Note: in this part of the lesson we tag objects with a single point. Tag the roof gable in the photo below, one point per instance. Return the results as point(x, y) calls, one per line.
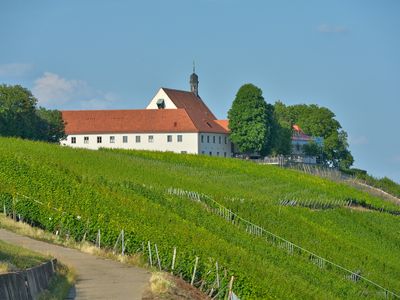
point(200, 114)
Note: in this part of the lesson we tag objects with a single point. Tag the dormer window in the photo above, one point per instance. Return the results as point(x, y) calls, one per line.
point(160, 104)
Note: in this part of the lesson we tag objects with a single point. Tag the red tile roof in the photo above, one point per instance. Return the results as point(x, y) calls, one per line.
point(191, 115)
point(125, 121)
point(224, 124)
point(197, 110)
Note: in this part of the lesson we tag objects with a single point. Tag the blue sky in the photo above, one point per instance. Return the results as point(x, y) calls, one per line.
point(95, 54)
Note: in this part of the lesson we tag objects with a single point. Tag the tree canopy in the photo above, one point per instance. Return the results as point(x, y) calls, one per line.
point(248, 120)
point(20, 117)
point(318, 121)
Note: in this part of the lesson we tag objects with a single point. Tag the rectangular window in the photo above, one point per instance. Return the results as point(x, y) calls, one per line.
point(86, 140)
point(208, 138)
point(210, 153)
point(184, 152)
point(217, 153)
point(224, 154)
point(180, 138)
point(219, 139)
point(73, 140)
point(125, 139)
point(225, 140)
point(99, 140)
point(202, 152)
point(169, 138)
point(137, 139)
point(214, 139)
point(112, 139)
point(202, 138)
point(151, 138)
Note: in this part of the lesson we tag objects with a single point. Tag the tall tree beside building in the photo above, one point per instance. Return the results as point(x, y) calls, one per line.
point(50, 125)
point(20, 117)
point(280, 134)
point(248, 120)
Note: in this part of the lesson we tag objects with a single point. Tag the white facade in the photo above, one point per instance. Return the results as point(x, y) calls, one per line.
point(174, 142)
point(215, 144)
point(161, 95)
point(212, 144)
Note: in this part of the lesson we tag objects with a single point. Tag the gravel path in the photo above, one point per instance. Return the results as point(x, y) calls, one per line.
point(97, 278)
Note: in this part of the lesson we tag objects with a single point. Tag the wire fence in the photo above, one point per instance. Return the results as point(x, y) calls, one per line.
point(337, 175)
point(214, 282)
point(215, 289)
point(278, 241)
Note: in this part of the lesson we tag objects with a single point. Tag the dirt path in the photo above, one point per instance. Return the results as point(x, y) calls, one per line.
point(98, 278)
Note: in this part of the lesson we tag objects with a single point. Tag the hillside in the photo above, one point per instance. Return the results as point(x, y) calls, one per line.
point(78, 191)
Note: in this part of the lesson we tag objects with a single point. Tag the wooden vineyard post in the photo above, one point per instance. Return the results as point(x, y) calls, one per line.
point(150, 259)
point(122, 243)
point(230, 288)
point(98, 239)
point(217, 276)
point(173, 261)
point(194, 270)
point(84, 237)
point(158, 257)
point(14, 216)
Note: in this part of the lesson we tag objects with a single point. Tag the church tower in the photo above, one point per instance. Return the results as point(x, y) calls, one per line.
point(194, 82)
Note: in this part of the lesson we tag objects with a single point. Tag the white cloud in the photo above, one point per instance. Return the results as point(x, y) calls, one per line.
point(15, 69)
point(54, 91)
point(358, 140)
point(325, 28)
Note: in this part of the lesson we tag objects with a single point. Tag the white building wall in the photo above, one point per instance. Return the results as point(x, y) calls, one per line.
point(161, 95)
point(189, 143)
point(215, 144)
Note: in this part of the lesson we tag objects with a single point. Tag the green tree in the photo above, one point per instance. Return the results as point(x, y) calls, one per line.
point(318, 121)
point(17, 112)
point(248, 120)
point(19, 116)
point(280, 133)
point(312, 149)
point(51, 125)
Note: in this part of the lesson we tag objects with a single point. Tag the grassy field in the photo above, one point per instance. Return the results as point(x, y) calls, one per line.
point(81, 191)
point(14, 258)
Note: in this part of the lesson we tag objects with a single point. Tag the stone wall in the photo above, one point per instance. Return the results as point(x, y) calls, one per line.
point(26, 284)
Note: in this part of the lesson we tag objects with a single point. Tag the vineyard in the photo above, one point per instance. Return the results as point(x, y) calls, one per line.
point(80, 193)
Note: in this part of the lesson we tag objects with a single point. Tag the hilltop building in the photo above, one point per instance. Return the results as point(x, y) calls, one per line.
point(174, 120)
point(299, 140)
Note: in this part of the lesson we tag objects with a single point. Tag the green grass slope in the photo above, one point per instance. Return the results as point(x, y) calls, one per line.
point(13, 258)
point(114, 190)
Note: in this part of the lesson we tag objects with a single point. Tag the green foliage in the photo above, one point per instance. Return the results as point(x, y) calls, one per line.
point(248, 120)
point(50, 125)
point(312, 149)
point(112, 190)
point(280, 137)
point(385, 183)
point(19, 116)
point(17, 112)
point(19, 257)
point(319, 122)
